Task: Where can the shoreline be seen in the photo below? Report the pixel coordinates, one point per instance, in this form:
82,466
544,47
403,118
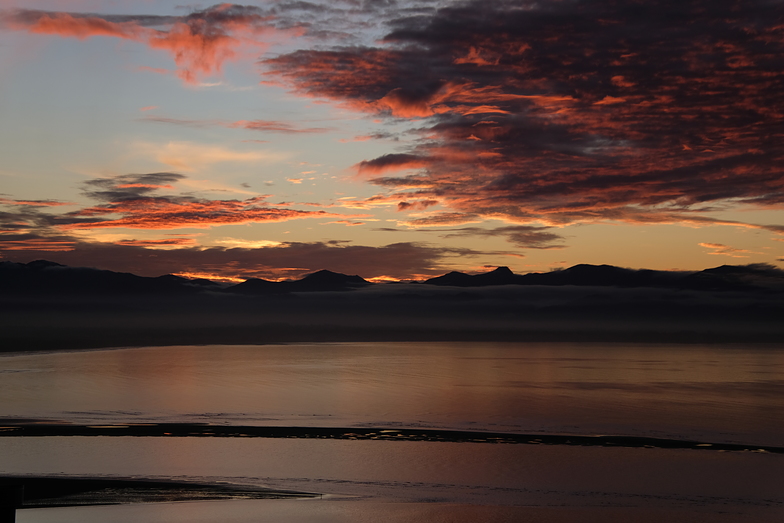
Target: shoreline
32,428
79,491
56,340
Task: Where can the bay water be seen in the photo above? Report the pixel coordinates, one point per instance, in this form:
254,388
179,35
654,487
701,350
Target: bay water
712,394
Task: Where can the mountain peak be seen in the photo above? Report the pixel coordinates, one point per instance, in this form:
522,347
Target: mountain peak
325,276
42,264
501,270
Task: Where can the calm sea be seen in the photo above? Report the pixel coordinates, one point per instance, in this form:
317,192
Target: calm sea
708,393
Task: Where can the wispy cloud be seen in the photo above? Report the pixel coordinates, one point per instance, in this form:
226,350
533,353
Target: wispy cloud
200,42
12,242
136,201
192,156
272,126
524,236
130,197
35,203
720,249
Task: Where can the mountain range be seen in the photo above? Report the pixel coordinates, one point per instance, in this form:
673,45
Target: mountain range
43,277
44,305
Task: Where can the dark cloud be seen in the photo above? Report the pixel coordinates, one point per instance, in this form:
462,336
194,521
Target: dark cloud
524,236
420,205
391,162
34,203
129,186
573,111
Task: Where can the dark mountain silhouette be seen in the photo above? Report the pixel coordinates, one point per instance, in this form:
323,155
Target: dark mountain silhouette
725,278
603,276
257,286
453,279
45,277
44,305
737,277
327,280
499,276
323,280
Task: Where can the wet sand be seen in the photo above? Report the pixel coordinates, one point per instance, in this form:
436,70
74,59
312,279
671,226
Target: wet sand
411,481
48,492
32,428
339,511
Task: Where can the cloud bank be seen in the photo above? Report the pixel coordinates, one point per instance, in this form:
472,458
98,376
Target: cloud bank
563,112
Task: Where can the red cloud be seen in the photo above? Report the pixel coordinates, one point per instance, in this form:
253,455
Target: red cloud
200,43
175,213
129,201
64,24
551,114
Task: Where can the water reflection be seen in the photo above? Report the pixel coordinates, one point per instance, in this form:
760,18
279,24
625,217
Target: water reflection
702,392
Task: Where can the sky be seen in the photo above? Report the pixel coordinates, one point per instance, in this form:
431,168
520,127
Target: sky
393,139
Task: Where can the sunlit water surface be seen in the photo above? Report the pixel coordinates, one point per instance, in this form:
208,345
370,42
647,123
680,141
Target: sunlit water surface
733,394
711,393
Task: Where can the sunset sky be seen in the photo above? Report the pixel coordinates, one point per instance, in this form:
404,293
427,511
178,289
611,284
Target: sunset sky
392,139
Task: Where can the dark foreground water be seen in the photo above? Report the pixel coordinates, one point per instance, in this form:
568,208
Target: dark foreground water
703,393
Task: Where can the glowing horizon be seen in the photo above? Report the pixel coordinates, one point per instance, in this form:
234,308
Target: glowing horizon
394,141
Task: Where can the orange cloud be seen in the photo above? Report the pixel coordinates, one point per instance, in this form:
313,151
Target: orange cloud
475,57
213,276
36,244
132,201
348,223
175,213
725,250
168,242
